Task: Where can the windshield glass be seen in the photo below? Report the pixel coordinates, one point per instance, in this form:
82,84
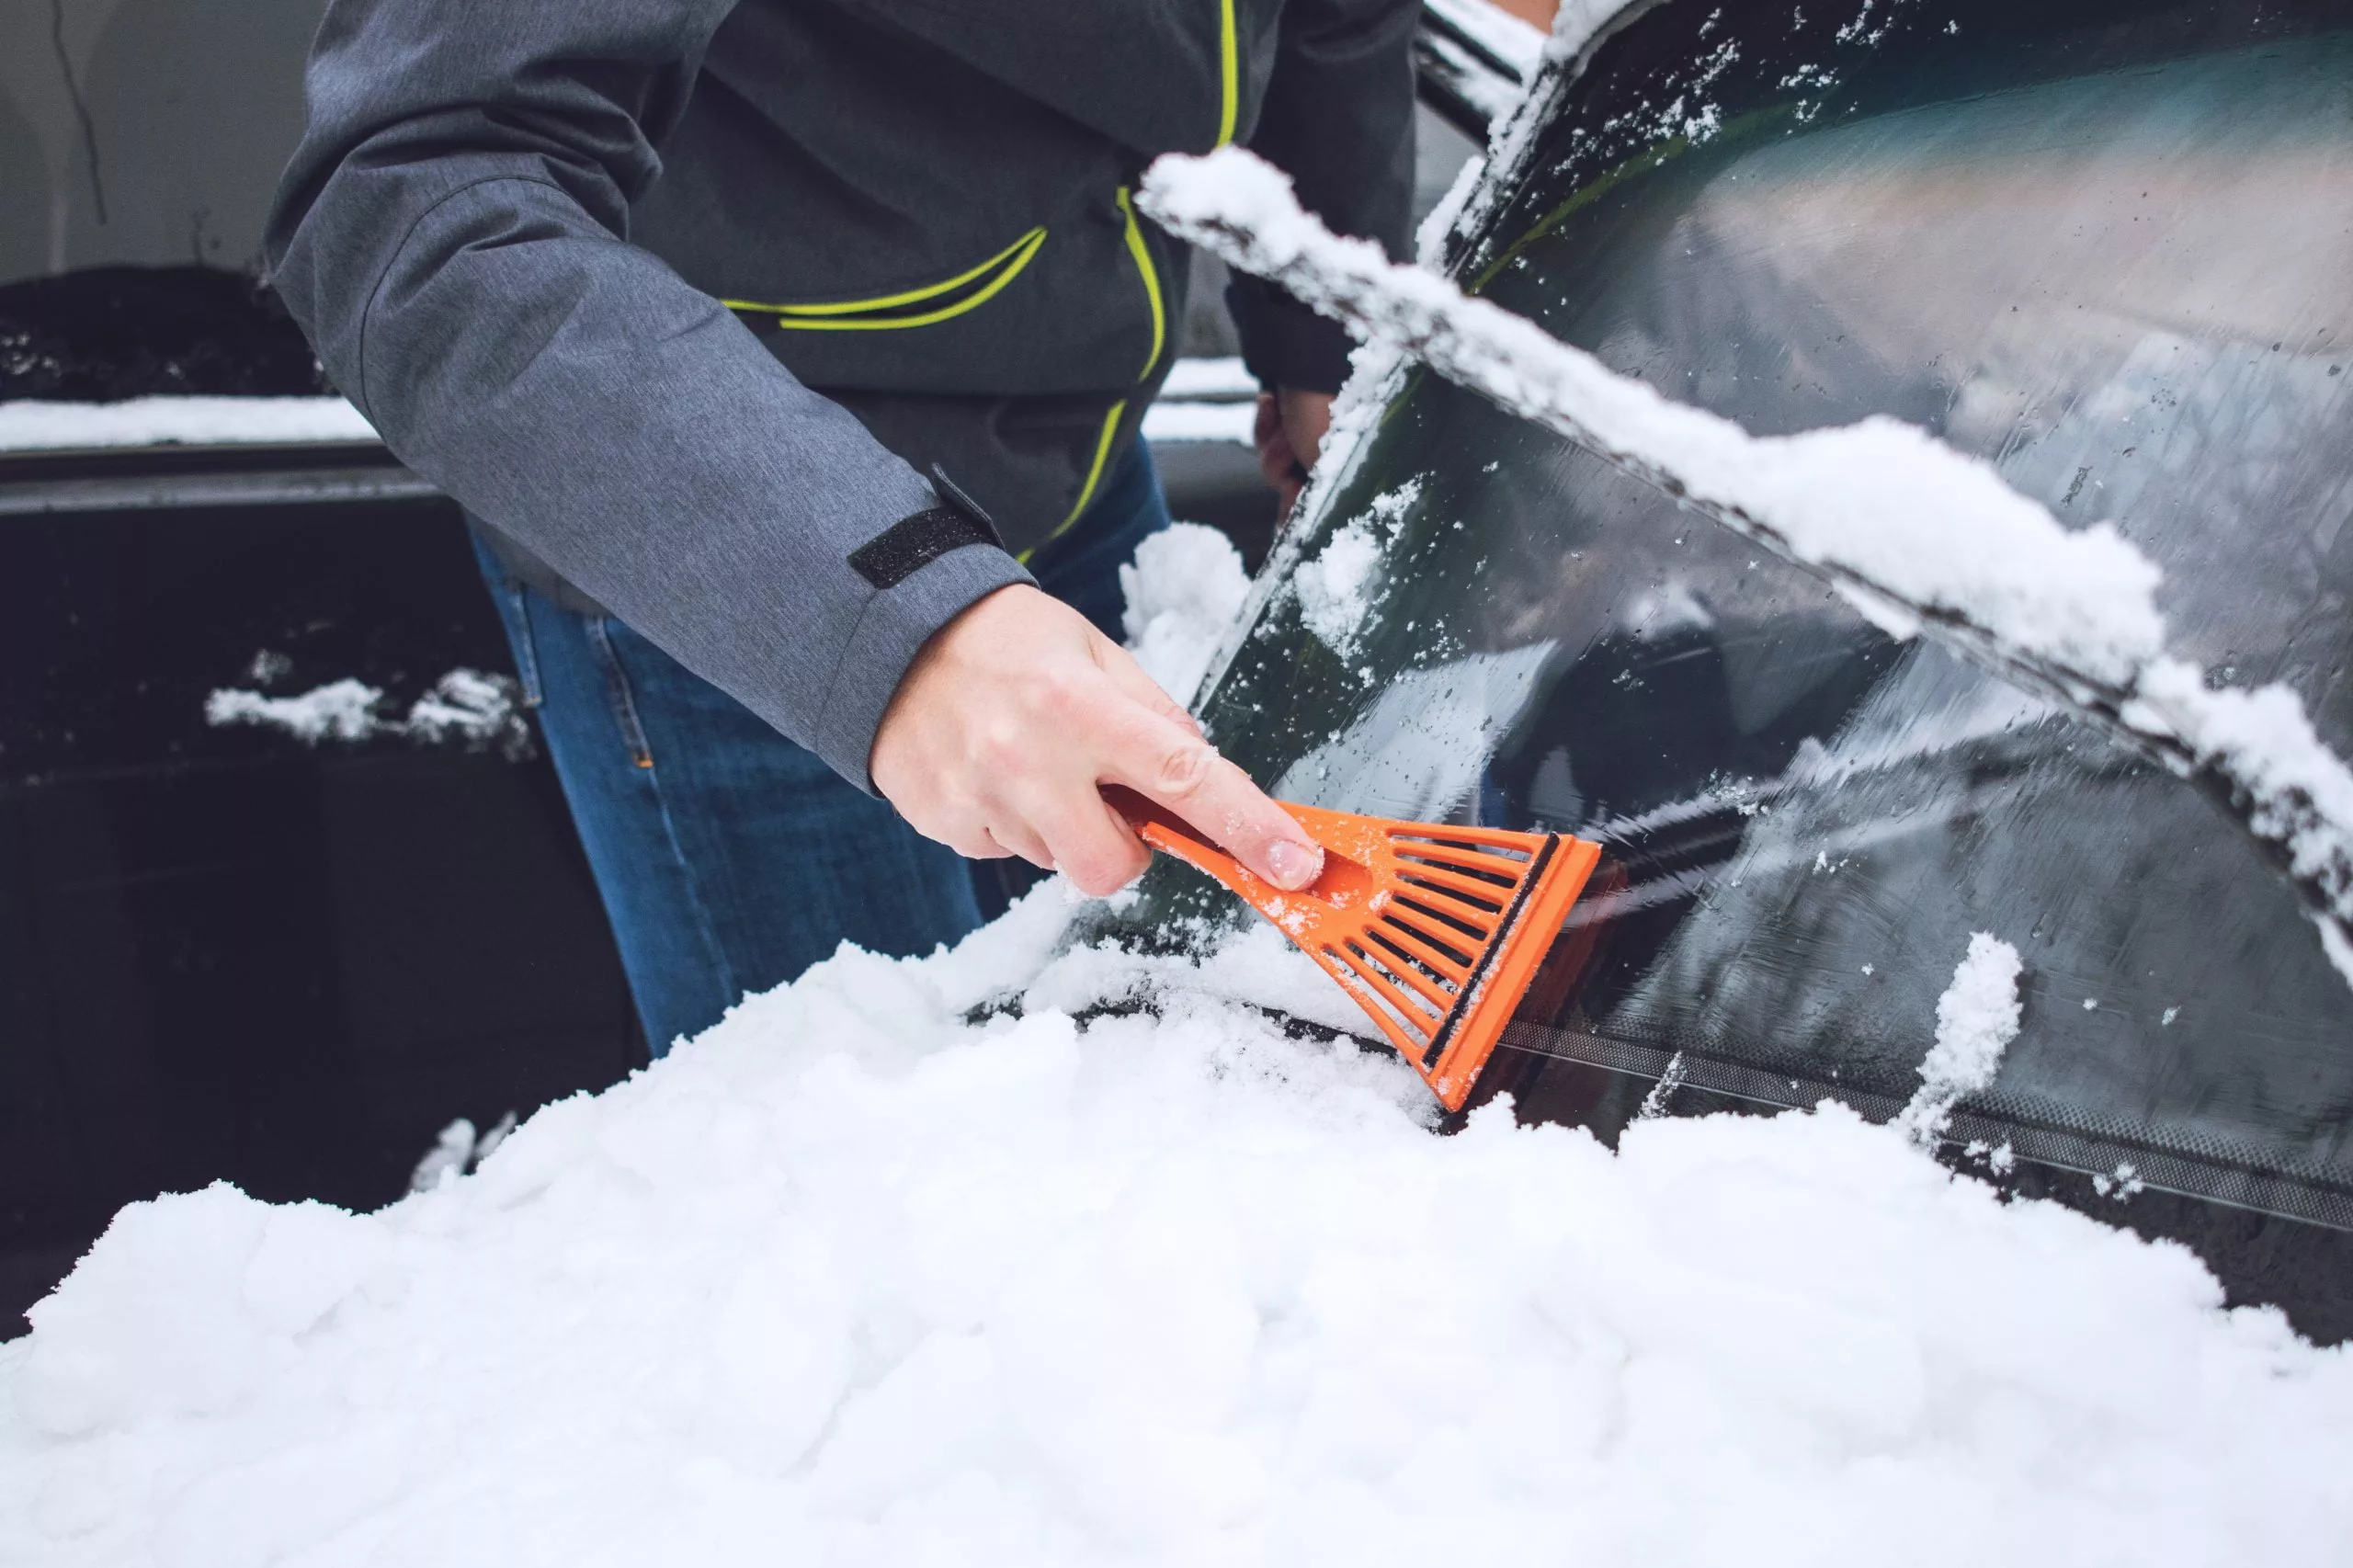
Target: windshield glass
2107,249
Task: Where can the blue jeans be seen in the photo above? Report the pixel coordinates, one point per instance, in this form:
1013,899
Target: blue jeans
729,859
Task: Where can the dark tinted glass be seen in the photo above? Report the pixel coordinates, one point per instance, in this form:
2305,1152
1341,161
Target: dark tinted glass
2108,248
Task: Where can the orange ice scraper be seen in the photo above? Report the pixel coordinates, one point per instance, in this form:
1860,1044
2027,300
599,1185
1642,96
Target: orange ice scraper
1436,931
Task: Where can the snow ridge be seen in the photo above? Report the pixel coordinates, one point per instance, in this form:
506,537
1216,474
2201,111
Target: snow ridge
852,1278
464,706
37,424
1915,534
1183,590
1976,1019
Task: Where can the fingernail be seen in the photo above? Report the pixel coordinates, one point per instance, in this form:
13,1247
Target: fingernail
1294,865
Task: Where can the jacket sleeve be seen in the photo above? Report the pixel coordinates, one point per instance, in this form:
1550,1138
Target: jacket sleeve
1339,119
452,234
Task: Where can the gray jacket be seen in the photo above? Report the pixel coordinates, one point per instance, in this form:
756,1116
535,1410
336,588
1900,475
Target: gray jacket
685,297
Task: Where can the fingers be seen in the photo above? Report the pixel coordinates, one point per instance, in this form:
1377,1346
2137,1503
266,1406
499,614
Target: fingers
1184,772
1093,846
1289,429
974,844
1306,418
1276,458
1002,730
1015,839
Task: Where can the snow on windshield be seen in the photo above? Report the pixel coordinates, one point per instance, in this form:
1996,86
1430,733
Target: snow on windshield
1915,534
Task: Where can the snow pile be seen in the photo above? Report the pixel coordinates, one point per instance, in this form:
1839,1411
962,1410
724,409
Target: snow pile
458,1149
852,1280
1917,536
1165,422
1205,399
464,706
470,708
1183,590
340,711
31,424
1339,586
1202,379
1976,1019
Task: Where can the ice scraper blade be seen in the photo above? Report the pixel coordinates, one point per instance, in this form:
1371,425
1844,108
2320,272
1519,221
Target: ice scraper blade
1436,930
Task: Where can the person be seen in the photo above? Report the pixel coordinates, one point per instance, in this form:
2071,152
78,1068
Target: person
788,359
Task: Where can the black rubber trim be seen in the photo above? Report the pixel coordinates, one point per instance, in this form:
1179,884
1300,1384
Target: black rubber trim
907,546
1455,1015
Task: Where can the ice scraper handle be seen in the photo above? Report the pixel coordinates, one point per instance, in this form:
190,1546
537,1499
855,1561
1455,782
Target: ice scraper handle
1171,835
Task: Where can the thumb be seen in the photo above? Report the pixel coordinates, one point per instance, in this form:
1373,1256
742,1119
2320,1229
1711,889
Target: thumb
1183,772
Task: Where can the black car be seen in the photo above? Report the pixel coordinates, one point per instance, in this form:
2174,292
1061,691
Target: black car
2107,246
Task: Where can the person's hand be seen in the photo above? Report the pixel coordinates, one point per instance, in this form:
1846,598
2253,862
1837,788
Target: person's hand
1288,432
1013,715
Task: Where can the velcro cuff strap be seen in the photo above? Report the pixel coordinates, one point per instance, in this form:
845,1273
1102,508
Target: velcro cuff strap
907,546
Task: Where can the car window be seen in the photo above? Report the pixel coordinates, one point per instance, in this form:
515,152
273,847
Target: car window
2108,248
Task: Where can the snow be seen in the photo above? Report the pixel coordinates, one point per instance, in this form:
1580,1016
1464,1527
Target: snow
1376,371
1235,422
1515,43
1438,224
1199,404
1962,541
463,707
340,711
30,424
470,708
1914,534
1977,1018
1339,586
1577,27
1183,589
853,1279
2262,740
1205,399
1224,379
457,1150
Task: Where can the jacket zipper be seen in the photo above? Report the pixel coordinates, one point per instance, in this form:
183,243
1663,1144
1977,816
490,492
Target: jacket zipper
1140,252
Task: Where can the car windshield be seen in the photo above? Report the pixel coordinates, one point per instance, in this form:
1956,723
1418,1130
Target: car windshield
2107,249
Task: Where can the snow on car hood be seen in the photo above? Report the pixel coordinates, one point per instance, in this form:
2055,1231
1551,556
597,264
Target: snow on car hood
856,1278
